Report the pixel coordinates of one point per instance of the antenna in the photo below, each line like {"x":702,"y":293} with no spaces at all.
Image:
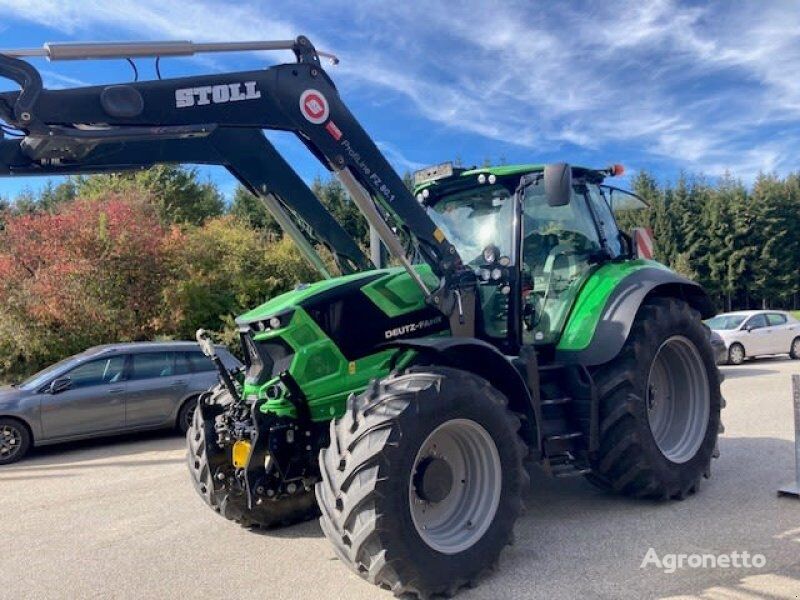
{"x":100,"y":50}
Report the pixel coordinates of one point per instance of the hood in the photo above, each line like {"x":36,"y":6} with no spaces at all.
{"x":10,"y":394}
{"x":305,"y":292}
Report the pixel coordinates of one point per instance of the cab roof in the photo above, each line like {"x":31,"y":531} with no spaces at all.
{"x":497,"y":171}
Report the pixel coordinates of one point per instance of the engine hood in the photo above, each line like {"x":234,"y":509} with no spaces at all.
{"x":388,"y":288}
{"x":10,"y":395}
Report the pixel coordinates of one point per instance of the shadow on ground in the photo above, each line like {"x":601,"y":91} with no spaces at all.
{"x":123,"y":450}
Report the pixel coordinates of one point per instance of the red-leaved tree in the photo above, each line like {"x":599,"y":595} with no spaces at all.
{"x":94,"y":272}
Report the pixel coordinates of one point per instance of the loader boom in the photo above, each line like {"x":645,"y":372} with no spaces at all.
{"x":215,"y":119}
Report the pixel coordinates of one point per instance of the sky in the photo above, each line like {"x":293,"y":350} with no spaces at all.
{"x":660,"y":85}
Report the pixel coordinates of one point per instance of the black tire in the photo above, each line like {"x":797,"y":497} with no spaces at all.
{"x":186,"y":415}
{"x":233,"y":506}
{"x":365,"y":492}
{"x":736,"y":354}
{"x":630,"y":460}
{"x":15,"y":440}
{"x":794,"y":349}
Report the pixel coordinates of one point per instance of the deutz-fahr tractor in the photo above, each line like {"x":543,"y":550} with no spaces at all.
{"x":405,"y":404}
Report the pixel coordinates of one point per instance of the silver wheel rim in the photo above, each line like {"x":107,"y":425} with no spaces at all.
{"x":678,"y":399}
{"x":10,"y":441}
{"x":456,"y":522}
{"x":737,"y":354}
{"x":796,"y":347}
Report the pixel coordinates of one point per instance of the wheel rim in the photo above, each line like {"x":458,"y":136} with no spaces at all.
{"x":455,"y":486}
{"x":737,"y":354}
{"x":796,"y":347}
{"x":10,"y":441}
{"x":678,"y":399}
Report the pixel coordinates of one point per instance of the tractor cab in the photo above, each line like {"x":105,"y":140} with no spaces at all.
{"x":531,"y":249}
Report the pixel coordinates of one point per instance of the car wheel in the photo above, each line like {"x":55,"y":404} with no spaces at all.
{"x":15,"y":441}
{"x":736,"y":354}
{"x":186,"y":414}
{"x":794,"y":352}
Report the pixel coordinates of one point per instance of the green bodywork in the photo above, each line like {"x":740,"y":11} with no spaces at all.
{"x":588,"y":306}
{"x":327,"y":378}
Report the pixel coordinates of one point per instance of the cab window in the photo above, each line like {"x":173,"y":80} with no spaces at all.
{"x":605,"y":220}
{"x":558,"y":245}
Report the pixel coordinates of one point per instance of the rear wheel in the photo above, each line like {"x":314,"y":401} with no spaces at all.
{"x":422,"y":482}
{"x":15,"y":440}
{"x":794,"y":352}
{"x":232,"y":504}
{"x":660,"y":406}
{"x":736,"y":354}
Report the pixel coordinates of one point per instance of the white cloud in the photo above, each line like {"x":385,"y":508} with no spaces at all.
{"x":703,"y":86}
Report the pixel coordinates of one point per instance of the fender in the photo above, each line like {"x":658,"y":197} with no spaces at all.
{"x":483,"y":359}
{"x":613,"y":324}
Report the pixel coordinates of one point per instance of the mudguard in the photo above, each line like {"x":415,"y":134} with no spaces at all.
{"x":482,"y":358}
{"x":593,"y":339}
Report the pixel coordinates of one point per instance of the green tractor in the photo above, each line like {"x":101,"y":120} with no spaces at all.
{"x":518,"y":330}
{"x":587,"y":361}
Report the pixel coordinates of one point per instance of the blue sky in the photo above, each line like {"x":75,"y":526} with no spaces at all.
{"x":660,"y":85}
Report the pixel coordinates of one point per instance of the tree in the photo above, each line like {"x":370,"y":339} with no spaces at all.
{"x":90,"y":273}
{"x":251,"y":210}
{"x":53,"y":196}
{"x":224,"y":268}
{"x":336,"y":200}
{"x":176,"y":192}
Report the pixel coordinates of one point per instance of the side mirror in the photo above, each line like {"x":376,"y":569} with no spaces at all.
{"x":59,"y":385}
{"x":558,"y":184}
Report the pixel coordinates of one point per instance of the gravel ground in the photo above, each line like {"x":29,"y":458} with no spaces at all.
{"x":119,"y":519}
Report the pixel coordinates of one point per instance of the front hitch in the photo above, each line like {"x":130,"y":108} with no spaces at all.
{"x":207,"y":346}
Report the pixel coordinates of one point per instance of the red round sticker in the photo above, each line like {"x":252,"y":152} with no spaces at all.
{"x":314,"y":106}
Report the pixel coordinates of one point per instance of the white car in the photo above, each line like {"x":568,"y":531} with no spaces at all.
{"x":751,"y":333}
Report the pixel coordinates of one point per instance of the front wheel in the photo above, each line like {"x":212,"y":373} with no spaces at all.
{"x":422,"y":482}
{"x":15,"y":441}
{"x":232,"y":503}
{"x":660,"y":406}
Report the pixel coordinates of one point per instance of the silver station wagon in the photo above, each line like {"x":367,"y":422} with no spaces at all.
{"x":104,"y":391}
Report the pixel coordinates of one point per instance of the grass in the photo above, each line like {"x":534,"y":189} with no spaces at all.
{"x":795,"y":313}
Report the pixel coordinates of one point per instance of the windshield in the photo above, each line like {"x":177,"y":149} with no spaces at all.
{"x":723,"y":322}
{"x":476,"y":218}
{"x":42,"y":376}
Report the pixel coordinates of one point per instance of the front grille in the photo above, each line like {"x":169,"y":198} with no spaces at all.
{"x":265,"y":359}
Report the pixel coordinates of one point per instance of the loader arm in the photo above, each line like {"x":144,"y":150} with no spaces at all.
{"x":66,"y":130}
{"x":262,"y":170}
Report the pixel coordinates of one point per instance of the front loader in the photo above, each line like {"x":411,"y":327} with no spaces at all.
{"x":405,"y":404}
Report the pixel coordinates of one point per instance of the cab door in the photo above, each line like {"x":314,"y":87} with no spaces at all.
{"x":560,"y":246}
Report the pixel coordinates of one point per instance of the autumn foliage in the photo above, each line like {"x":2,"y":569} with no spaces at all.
{"x":108,"y":269}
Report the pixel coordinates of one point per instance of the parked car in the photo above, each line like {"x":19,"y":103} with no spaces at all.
{"x":752,"y":333}
{"x":106,"y":390}
{"x":719,"y":347}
